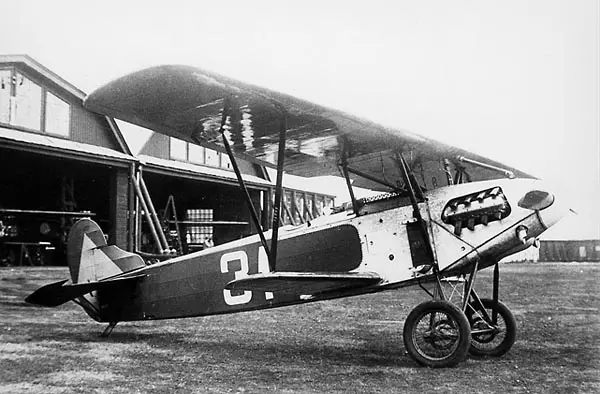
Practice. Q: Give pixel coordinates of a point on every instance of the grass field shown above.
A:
(341, 346)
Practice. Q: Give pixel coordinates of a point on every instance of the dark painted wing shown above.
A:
(187, 103)
(305, 283)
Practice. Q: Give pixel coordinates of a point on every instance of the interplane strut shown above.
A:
(238, 174)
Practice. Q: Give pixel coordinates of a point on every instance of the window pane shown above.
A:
(28, 103)
(319, 204)
(309, 206)
(225, 162)
(196, 153)
(57, 115)
(299, 201)
(178, 149)
(197, 234)
(5, 84)
(287, 202)
(328, 202)
(212, 158)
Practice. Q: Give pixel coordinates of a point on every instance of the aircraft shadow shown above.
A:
(374, 351)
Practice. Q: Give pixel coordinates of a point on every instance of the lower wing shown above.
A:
(308, 283)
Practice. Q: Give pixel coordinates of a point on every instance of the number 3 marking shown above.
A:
(240, 255)
(263, 266)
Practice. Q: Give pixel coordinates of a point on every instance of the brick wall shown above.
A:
(119, 208)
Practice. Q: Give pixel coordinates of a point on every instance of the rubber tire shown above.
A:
(510, 335)
(454, 313)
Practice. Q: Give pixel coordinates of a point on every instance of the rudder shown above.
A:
(89, 257)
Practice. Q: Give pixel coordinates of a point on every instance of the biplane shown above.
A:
(441, 215)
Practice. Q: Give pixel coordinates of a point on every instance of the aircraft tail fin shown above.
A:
(90, 259)
(94, 266)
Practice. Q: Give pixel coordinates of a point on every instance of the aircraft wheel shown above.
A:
(488, 339)
(437, 334)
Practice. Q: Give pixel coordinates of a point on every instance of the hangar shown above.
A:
(58, 162)
(570, 250)
(61, 162)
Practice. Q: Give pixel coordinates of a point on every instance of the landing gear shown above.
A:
(437, 334)
(440, 333)
(493, 328)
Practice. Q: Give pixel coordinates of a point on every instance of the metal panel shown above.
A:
(335, 249)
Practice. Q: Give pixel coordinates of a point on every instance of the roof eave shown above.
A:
(45, 72)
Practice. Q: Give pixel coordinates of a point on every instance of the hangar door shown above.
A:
(41, 196)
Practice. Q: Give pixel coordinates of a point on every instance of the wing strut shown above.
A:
(406, 175)
(345, 170)
(346, 173)
(238, 175)
(278, 189)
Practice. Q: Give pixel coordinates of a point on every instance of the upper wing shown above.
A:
(187, 103)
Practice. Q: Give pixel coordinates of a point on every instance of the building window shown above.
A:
(310, 212)
(299, 203)
(212, 158)
(196, 233)
(57, 116)
(5, 96)
(225, 162)
(196, 153)
(27, 109)
(182, 150)
(177, 149)
(21, 105)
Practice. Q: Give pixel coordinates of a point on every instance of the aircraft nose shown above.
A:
(551, 203)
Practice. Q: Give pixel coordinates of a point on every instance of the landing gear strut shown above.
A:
(493, 326)
(491, 337)
(439, 333)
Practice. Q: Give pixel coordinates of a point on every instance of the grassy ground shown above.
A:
(340, 346)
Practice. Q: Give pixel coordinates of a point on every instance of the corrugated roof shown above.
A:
(202, 171)
(61, 144)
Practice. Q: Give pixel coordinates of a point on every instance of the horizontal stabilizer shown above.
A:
(58, 293)
(308, 283)
(126, 261)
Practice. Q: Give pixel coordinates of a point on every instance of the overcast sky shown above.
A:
(513, 80)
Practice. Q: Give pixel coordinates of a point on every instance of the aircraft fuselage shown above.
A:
(479, 221)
